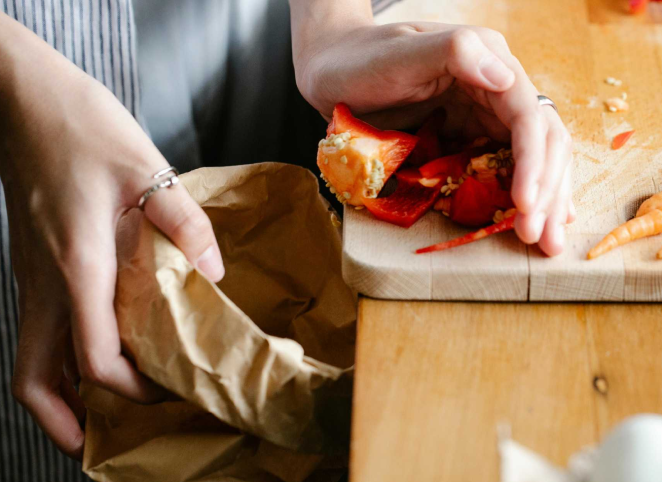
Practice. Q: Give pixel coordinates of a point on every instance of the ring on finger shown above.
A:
(544, 100)
(168, 182)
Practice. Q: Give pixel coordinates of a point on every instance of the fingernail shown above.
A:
(496, 72)
(211, 264)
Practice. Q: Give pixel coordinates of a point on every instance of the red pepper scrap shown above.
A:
(453, 166)
(473, 204)
(506, 225)
(637, 6)
(410, 201)
(620, 140)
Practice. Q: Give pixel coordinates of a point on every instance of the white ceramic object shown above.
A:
(632, 452)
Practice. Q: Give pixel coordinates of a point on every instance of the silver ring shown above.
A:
(544, 100)
(170, 181)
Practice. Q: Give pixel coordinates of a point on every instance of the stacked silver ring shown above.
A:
(171, 180)
(544, 100)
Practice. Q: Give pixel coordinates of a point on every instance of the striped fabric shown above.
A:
(381, 5)
(99, 37)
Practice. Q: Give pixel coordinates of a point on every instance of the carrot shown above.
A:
(620, 140)
(505, 225)
(647, 222)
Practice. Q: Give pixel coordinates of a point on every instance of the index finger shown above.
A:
(95, 333)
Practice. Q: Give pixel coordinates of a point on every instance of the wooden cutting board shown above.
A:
(569, 48)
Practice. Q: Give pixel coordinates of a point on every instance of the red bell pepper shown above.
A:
(453, 166)
(410, 201)
(488, 180)
(473, 204)
(506, 225)
(401, 143)
(347, 163)
(428, 146)
(444, 205)
(502, 199)
(637, 6)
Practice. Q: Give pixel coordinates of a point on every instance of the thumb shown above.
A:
(462, 53)
(180, 218)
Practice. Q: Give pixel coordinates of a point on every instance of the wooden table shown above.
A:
(434, 379)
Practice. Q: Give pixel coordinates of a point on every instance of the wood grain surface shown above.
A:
(434, 379)
(569, 48)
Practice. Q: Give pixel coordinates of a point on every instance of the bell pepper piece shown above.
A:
(487, 177)
(428, 146)
(620, 140)
(444, 205)
(449, 165)
(356, 159)
(453, 166)
(637, 6)
(410, 201)
(502, 199)
(506, 225)
(473, 204)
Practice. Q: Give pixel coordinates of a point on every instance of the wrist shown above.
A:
(316, 24)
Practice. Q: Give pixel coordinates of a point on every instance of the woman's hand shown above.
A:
(73, 161)
(394, 75)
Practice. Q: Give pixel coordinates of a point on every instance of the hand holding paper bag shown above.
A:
(267, 351)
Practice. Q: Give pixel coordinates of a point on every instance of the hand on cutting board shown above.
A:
(394, 75)
(73, 162)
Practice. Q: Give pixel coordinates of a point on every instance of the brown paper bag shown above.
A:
(261, 361)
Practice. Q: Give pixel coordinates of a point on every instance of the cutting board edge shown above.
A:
(379, 282)
(392, 283)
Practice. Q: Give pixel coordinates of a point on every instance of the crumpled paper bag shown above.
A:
(261, 361)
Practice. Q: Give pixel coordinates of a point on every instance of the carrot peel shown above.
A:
(620, 140)
(506, 225)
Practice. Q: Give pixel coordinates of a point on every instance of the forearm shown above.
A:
(31, 71)
(314, 21)
(10, 35)
(25, 59)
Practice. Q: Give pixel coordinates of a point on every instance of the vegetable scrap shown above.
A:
(647, 222)
(507, 224)
(469, 183)
(410, 201)
(335, 221)
(500, 215)
(639, 6)
(616, 104)
(620, 140)
(356, 159)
